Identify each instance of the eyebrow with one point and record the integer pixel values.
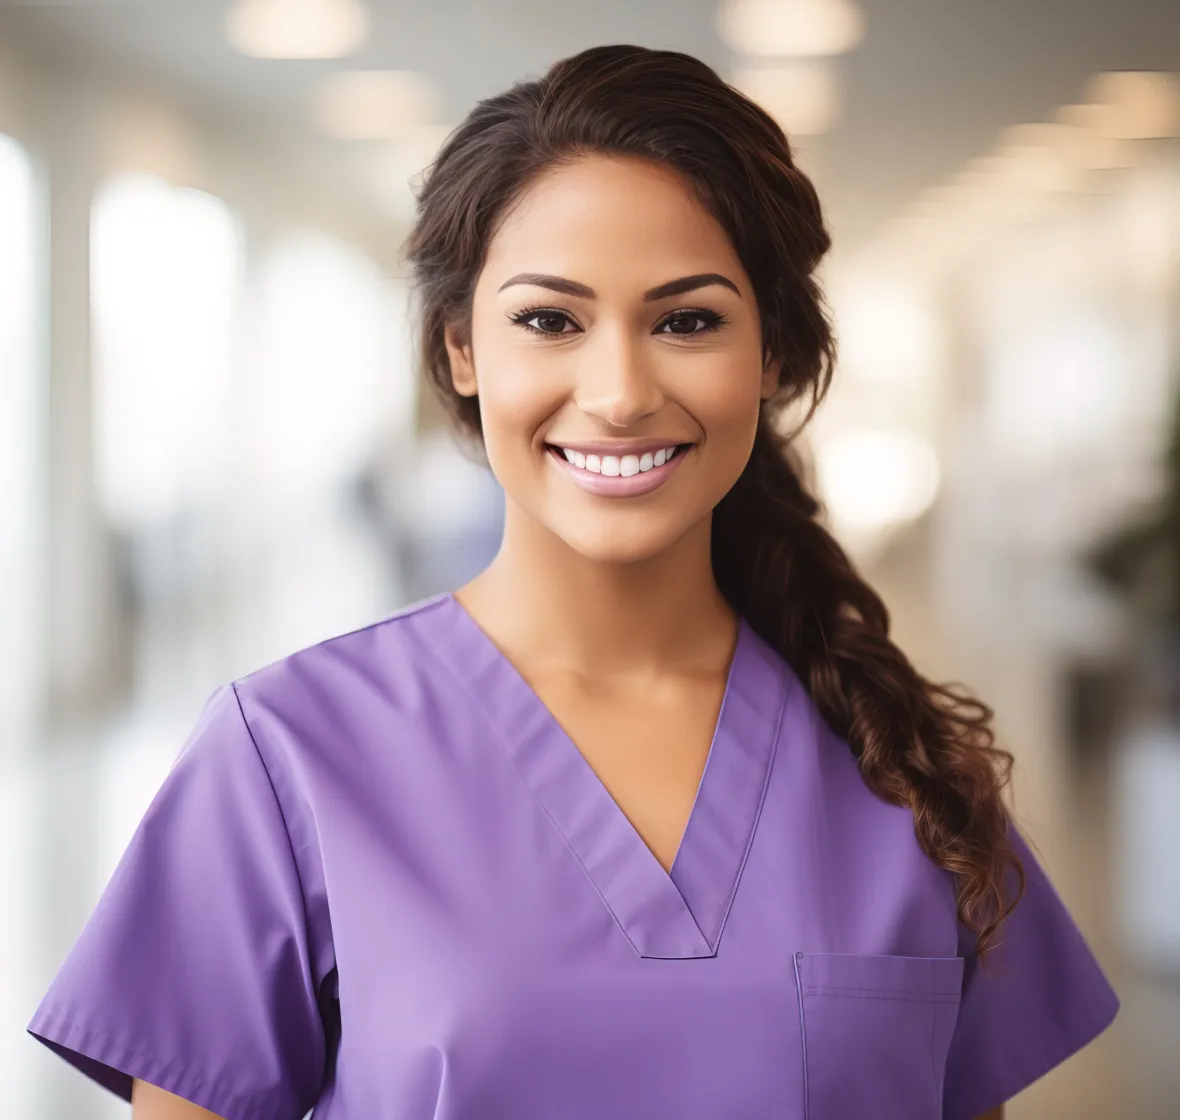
(661, 291)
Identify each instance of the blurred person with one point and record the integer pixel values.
(650, 818)
(439, 512)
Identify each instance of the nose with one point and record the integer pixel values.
(617, 382)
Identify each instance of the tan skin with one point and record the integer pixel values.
(606, 605)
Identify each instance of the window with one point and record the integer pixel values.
(20, 429)
(165, 265)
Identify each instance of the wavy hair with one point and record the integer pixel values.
(919, 744)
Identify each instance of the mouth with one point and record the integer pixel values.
(626, 473)
(623, 465)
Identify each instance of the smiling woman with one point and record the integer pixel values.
(595, 461)
(651, 818)
(624, 363)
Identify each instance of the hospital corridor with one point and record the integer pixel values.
(216, 448)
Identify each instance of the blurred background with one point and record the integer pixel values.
(213, 449)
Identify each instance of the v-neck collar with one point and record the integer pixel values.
(674, 914)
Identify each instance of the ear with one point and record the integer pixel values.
(771, 372)
(462, 363)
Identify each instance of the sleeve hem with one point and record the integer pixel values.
(1037, 1064)
(113, 1064)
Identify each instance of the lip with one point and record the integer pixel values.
(616, 486)
(618, 447)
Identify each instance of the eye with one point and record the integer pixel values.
(549, 320)
(685, 322)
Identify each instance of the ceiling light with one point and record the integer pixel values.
(1071, 137)
(1136, 104)
(874, 478)
(1093, 150)
(790, 27)
(373, 104)
(296, 28)
(804, 97)
(1036, 157)
(982, 172)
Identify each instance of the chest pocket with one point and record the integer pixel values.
(876, 1031)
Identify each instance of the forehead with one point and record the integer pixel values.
(610, 217)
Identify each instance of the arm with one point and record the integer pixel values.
(995, 1114)
(149, 1102)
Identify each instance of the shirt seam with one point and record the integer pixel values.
(766, 778)
(511, 755)
(802, 1037)
(404, 612)
(283, 816)
(902, 995)
(106, 1049)
(275, 794)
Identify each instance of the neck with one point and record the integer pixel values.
(543, 601)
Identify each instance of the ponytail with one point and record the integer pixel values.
(918, 744)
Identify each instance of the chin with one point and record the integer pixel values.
(612, 544)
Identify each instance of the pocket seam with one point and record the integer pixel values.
(933, 1061)
(902, 994)
(932, 990)
(803, 1039)
(828, 973)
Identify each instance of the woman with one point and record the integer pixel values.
(469, 861)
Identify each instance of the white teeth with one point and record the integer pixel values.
(615, 465)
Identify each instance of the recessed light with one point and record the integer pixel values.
(296, 28)
(790, 27)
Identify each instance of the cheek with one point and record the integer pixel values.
(515, 399)
(726, 405)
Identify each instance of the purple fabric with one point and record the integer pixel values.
(381, 882)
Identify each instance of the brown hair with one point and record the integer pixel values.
(919, 744)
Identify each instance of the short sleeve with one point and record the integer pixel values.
(195, 972)
(1036, 998)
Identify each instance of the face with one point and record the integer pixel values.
(615, 348)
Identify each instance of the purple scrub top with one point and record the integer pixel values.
(381, 883)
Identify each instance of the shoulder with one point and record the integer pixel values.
(874, 882)
(323, 719)
(387, 659)
(880, 828)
